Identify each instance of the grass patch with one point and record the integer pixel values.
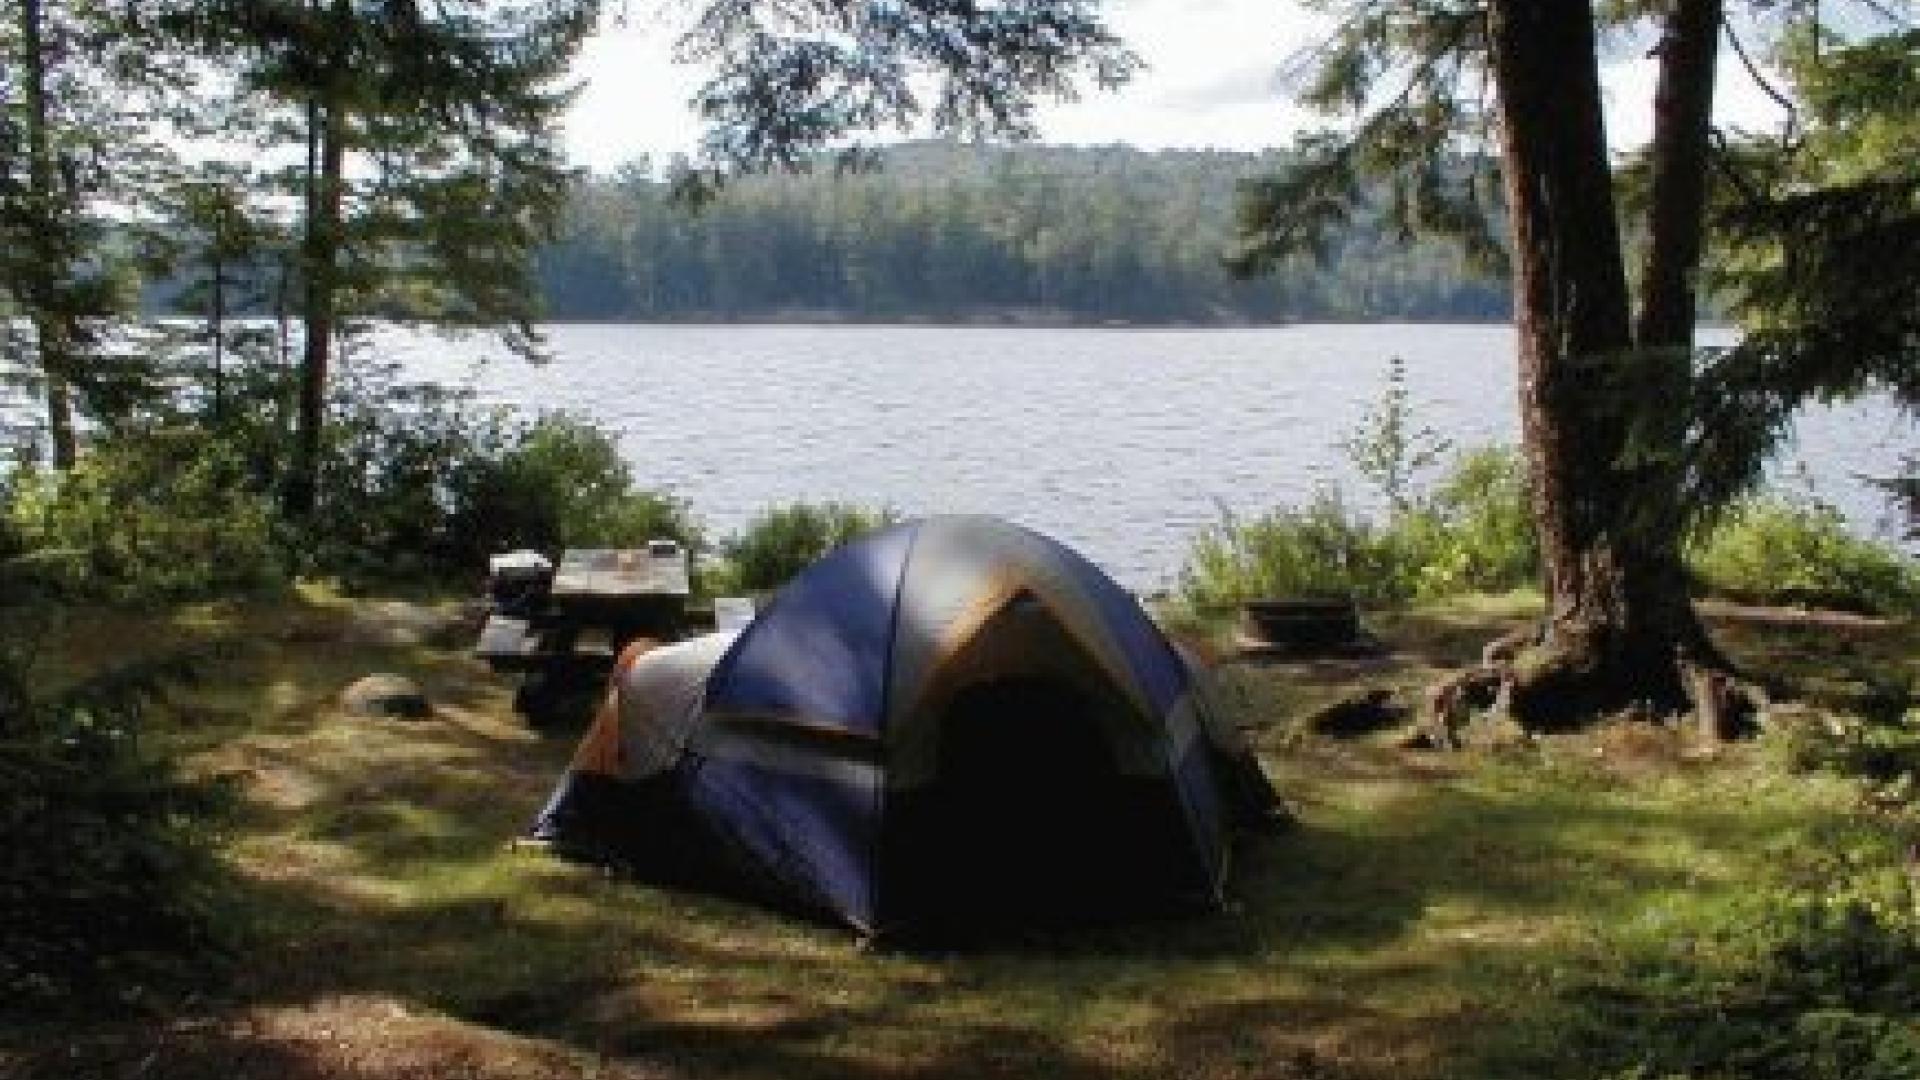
(1425, 919)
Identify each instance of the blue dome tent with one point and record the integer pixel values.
(950, 719)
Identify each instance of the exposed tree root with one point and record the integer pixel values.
(1725, 706)
(1452, 703)
(1542, 688)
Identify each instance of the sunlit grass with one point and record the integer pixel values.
(1405, 928)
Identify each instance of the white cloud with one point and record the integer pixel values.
(633, 99)
(1211, 81)
(1259, 84)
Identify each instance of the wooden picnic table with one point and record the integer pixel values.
(610, 583)
(564, 637)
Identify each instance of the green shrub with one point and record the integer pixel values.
(561, 482)
(391, 474)
(1485, 541)
(1322, 548)
(1773, 550)
(1473, 533)
(785, 540)
(109, 886)
(420, 483)
(151, 516)
(12, 542)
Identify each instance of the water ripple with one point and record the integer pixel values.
(1119, 442)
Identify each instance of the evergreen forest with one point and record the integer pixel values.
(942, 231)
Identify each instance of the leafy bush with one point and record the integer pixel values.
(1323, 548)
(12, 542)
(422, 483)
(1884, 751)
(109, 887)
(390, 478)
(784, 540)
(560, 482)
(1472, 533)
(418, 483)
(1485, 540)
(1773, 550)
(160, 515)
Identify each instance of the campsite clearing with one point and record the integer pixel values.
(1416, 922)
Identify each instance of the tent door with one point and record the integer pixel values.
(1028, 820)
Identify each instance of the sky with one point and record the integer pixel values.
(1213, 80)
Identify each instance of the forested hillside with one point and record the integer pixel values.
(944, 231)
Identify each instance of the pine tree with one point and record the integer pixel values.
(1627, 444)
(221, 250)
(431, 170)
(80, 84)
(795, 79)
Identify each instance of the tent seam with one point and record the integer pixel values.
(878, 843)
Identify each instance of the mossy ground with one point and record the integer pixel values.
(1411, 925)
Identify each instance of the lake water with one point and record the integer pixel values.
(1123, 443)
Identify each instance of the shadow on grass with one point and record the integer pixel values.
(1378, 939)
(1358, 947)
(1308, 977)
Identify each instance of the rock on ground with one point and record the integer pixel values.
(387, 695)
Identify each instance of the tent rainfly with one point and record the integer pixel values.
(949, 722)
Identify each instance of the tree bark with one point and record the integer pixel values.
(1683, 124)
(1668, 308)
(1617, 618)
(320, 302)
(217, 330)
(51, 328)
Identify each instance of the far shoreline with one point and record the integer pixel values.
(931, 323)
(1012, 322)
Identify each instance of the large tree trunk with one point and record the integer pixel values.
(1664, 322)
(320, 308)
(1617, 618)
(51, 327)
(1683, 124)
(217, 330)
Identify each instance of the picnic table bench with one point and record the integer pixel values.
(561, 627)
